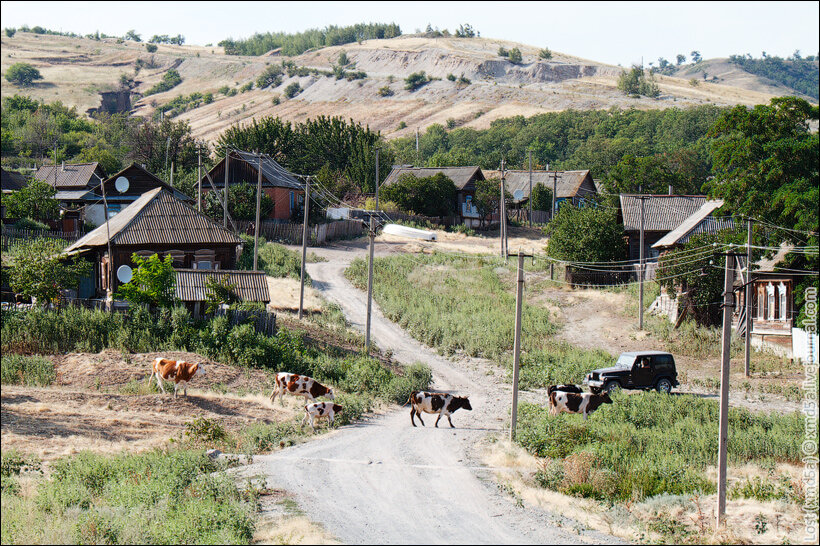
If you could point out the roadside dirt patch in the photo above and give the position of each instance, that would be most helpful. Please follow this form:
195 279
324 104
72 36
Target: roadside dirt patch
284 294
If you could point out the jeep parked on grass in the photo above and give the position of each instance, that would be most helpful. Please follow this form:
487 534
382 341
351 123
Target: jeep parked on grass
636 370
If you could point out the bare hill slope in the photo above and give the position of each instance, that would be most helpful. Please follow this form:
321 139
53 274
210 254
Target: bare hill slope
77 70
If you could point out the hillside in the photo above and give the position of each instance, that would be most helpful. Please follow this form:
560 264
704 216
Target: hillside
77 70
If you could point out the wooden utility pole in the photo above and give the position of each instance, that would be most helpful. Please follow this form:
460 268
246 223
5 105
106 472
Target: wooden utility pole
418 154
258 207
199 178
55 165
529 201
225 192
172 174
502 214
552 212
519 302
109 297
377 179
747 352
641 267
304 248
723 426
370 284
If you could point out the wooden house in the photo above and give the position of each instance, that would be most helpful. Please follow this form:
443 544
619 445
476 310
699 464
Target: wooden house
570 186
11 182
282 186
773 311
464 179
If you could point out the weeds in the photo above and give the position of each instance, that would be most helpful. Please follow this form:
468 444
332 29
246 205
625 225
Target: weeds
31 371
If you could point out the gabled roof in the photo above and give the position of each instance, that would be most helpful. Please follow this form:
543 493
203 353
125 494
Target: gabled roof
568 183
661 212
157 217
460 176
145 174
689 224
273 174
250 285
71 175
12 181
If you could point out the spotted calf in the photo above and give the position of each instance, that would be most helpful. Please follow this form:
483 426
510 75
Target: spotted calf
319 410
178 370
570 402
299 385
436 402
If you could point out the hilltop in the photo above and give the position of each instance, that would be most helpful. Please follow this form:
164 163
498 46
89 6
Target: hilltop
85 73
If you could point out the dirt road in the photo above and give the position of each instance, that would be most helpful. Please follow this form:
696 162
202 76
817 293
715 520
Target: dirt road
383 480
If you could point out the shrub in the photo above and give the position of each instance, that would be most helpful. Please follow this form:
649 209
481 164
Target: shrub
32 371
23 74
463 80
271 77
402 125
545 54
451 123
231 92
169 80
415 80
385 91
451 77
292 90
151 48
246 87
515 56
503 52
10 32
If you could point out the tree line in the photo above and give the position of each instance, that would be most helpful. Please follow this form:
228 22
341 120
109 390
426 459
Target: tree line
796 72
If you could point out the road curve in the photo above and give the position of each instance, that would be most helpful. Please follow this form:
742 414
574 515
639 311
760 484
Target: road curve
384 481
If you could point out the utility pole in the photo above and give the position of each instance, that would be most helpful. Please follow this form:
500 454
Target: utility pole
529 155
724 390
55 167
747 353
552 213
172 174
225 192
370 284
109 297
640 281
167 146
199 179
519 302
256 225
304 249
377 179
502 215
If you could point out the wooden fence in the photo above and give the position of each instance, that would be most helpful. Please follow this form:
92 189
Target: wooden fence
291 233
264 322
13 235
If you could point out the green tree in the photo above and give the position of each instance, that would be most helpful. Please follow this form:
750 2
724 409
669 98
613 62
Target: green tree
541 197
545 54
40 271
684 170
220 292
292 90
680 59
465 31
271 77
503 51
415 80
34 200
10 32
515 56
696 58
133 36
151 48
487 197
431 196
23 74
153 282
586 234
241 203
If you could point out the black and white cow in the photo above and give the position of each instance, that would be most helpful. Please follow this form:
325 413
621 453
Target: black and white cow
436 402
564 388
571 402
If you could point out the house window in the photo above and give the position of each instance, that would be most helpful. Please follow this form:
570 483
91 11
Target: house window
761 302
781 293
114 209
204 264
770 302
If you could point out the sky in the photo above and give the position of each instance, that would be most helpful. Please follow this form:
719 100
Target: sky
610 32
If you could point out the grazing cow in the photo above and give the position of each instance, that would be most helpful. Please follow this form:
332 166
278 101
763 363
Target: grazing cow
318 410
299 385
564 388
570 402
436 402
178 370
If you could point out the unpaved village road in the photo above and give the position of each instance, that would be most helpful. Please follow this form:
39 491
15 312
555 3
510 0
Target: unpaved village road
383 481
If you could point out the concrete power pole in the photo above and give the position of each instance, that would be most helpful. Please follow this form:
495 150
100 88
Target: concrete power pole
370 284
529 155
723 435
225 192
199 179
258 206
552 212
519 302
304 248
747 353
502 213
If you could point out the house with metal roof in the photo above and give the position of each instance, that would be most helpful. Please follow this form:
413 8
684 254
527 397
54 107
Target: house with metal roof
71 178
661 214
464 179
701 221
283 187
156 223
572 186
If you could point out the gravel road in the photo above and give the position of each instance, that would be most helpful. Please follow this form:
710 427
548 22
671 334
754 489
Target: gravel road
383 481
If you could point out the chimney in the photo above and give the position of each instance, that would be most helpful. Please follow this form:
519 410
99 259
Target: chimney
670 189
63 167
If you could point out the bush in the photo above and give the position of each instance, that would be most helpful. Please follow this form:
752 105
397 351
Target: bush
503 52
292 90
31 371
151 48
545 54
10 32
271 77
515 56
169 80
585 234
430 196
247 87
415 80
451 77
385 91
23 74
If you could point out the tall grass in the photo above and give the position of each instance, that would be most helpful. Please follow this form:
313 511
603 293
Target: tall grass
159 497
651 443
32 371
451 303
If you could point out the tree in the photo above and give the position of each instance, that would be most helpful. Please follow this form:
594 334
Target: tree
431 196
515 56
220 292
23 74
680 59
541 197
153 282
654 174
503 52
35 200
696 58
343 60
634 82
151 48
487 197
10 32
241 203
40 271
292 90
586 234
545 54
465 31
415 80
133 36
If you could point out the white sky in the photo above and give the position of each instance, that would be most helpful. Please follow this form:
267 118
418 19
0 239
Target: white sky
610 32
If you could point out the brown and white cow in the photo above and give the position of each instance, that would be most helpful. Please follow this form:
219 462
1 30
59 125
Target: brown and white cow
436 402
178 370
298 385
319 410
571 402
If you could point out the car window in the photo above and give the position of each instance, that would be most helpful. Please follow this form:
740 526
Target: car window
663 361
625 361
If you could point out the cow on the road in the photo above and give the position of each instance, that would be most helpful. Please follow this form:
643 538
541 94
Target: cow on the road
436 402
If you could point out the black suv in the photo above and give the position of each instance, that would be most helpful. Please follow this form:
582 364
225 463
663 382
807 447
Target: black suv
636 370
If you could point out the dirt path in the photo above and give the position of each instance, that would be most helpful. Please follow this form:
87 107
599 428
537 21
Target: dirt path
383 480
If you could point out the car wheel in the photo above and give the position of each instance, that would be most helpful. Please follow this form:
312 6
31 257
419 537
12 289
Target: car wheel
611 386
663 385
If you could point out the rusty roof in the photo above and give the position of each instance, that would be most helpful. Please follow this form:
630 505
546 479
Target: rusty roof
461 176
250 285
661 212
567 183
71 175
157 217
